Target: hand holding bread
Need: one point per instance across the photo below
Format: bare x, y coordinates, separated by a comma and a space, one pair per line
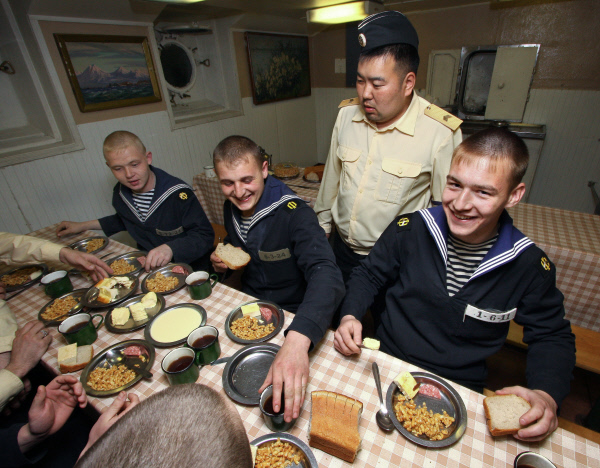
227, 256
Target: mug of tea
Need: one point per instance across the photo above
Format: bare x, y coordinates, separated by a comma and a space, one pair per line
274, 420
532, 460
199, 284
205, 343
179, 366
80, 329
56, 284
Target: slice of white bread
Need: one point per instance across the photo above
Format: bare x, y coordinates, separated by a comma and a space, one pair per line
231, 256
72, 358
503, 412
334, 423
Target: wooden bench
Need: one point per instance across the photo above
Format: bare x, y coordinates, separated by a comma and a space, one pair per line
587, 343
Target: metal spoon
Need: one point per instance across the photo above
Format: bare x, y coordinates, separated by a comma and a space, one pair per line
116, 358
382, 417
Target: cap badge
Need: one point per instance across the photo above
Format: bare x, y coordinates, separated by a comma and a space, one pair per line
362, 40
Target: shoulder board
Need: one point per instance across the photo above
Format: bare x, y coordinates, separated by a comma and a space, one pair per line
443, 117
291, 205
543, 264
349, 102
404, 222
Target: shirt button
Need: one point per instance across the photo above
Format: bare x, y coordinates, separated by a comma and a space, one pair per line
399, 171
353, 218
360, 191
369, 161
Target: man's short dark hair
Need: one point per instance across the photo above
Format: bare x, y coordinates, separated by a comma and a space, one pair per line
497, 144
187, 425
235, 149
405, 55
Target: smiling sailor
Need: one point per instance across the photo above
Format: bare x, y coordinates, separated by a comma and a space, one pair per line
458, 273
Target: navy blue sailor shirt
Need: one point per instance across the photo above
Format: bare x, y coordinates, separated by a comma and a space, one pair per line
292, 263
447, 335
175, 218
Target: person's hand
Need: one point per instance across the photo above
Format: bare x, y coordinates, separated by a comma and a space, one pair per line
348, 336
2, 291
217, 263
86, 262
542, 415
111, 415
158, 257
289, 372
29, 345
50, 409
67, 228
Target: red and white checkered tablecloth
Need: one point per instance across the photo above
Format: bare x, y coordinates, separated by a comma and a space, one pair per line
208, 190
572, 241
329, 370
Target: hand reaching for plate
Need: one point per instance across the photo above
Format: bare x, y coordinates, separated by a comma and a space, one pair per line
158, 257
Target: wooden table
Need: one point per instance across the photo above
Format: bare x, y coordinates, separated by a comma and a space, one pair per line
572, 242
329, 371
208, 190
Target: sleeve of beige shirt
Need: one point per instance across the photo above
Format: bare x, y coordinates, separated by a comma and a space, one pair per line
24, 249
10, 385
330, 183
8, 327
441, 164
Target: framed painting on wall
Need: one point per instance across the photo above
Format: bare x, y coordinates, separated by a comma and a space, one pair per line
107, 72
279, 66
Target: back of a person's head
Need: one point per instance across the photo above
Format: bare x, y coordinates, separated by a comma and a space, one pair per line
120, 140
236, 149
497, 144
183, 426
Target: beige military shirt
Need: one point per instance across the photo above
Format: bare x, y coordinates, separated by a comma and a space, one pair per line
372, 175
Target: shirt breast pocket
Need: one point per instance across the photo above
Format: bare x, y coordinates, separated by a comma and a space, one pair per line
280, 271
396, 180
349, 157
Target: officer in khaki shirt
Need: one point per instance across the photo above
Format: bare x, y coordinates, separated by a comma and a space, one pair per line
390, 149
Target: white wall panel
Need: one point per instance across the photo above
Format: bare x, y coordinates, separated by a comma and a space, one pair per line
327, 101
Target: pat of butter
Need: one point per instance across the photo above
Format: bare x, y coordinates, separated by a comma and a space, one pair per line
371, 343
251, 310
149, 300
120, 316
138, 312
408, 383
35, 274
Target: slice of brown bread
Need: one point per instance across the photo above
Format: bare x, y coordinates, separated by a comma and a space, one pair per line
334, 424
231, 256
72, 364
503, 412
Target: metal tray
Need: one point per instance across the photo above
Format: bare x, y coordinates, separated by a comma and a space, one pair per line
100, 358
277, 319
160, 344
81, 245
77, 294
166, 271
450, 401
308, 461
131, 324
246, 371
132, 259
41, 266
89, 298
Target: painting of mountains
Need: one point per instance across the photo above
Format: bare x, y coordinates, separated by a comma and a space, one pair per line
109, 71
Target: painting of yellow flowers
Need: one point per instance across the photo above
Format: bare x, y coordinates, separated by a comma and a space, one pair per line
279, 66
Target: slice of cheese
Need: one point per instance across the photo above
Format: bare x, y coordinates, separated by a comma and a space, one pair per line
123, 281
138, 312
67, 352
408, 384
371, 343
149, 300
251, 310
120, 316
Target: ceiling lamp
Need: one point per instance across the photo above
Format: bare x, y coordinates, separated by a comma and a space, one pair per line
175, 1
343, 13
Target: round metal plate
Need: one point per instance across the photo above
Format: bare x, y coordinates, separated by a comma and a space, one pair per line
277, 319
160, 344
131, 324
308, 460
450, 401
40, 266
131, 258
82, 244
310, 181
100, 359
167, 271
246, 371
90, 297
77, 294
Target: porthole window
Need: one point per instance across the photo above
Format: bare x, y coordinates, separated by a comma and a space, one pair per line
178, 64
